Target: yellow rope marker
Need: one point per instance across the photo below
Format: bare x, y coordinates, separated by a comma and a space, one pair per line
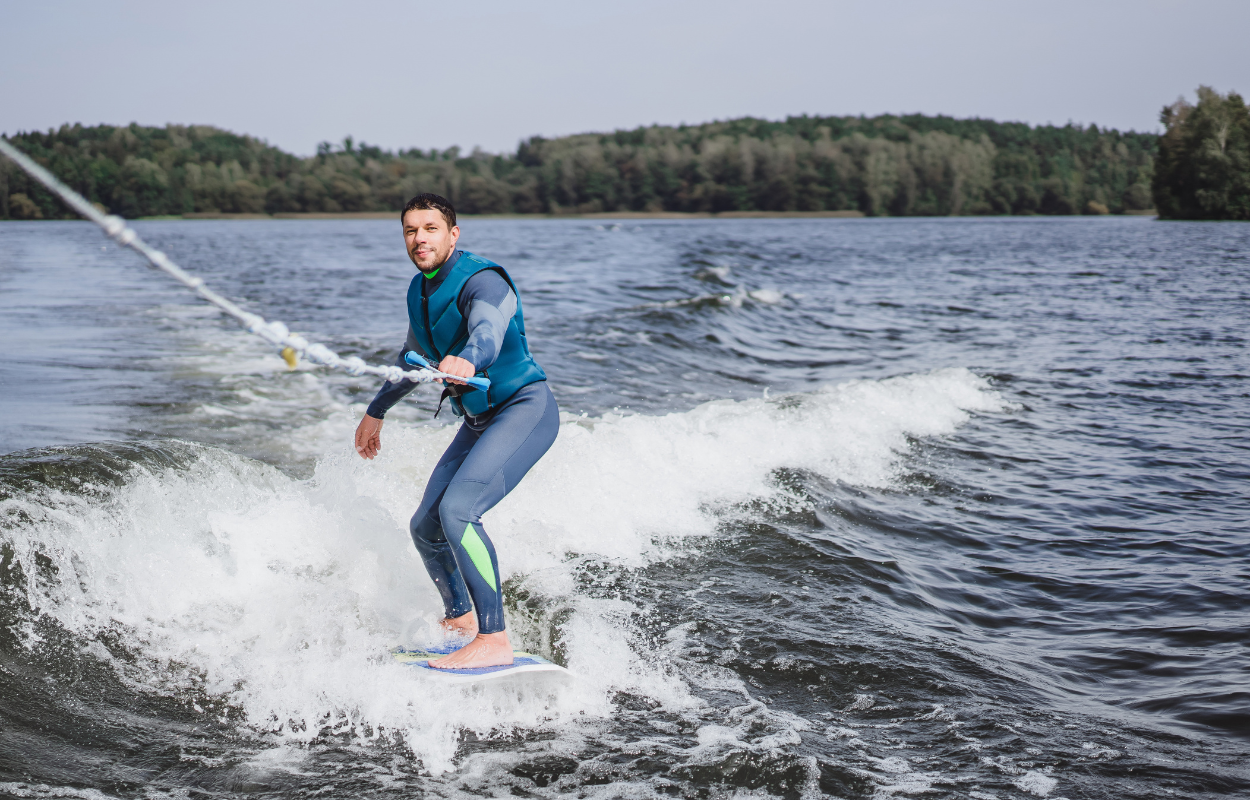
290, 357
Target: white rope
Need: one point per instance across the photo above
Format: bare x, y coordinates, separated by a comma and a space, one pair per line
275, 332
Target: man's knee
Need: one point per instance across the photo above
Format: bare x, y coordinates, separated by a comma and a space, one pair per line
425, 532
457, 508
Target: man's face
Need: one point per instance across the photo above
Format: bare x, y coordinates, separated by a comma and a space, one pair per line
428, 239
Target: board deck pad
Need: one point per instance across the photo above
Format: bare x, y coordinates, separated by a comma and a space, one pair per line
522, 663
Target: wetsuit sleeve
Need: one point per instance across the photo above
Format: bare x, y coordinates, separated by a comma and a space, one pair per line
392, 393
488, 303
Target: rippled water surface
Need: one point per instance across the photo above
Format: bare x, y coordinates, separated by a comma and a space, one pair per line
861, 508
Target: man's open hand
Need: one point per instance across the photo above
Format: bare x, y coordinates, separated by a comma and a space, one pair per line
455, 365
369, 437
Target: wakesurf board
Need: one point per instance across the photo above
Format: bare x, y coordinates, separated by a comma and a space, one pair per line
522, 663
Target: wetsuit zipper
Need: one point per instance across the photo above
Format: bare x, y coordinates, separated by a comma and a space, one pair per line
429, 335
425, 317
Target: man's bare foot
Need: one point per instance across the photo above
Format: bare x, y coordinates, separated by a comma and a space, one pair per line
461, 627
486, 650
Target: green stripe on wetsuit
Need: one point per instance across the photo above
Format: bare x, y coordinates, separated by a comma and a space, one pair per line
476, 548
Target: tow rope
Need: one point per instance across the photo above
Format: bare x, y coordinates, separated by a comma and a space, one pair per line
293, 346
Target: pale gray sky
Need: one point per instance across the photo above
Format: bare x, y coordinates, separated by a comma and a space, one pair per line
433, 74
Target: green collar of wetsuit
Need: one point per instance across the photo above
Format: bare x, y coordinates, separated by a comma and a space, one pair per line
451, 259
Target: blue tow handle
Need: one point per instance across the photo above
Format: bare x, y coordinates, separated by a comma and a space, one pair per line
417, 360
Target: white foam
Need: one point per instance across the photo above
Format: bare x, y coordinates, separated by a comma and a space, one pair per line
283, 595
1036, 783
43, 790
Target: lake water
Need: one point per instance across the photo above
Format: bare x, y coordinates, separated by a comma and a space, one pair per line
863, 508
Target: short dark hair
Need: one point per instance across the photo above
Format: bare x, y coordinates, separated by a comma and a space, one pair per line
431, 202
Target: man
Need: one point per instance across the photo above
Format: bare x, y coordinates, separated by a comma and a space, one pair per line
464, 315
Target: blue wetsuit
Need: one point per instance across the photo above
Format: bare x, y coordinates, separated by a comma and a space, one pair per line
487, 459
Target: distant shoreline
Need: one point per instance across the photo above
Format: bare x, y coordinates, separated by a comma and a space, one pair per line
600, 215
885, 166
606, 215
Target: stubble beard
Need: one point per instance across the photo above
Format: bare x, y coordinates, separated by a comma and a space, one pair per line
435, 260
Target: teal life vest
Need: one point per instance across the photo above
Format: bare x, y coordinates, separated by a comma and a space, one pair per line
443, 331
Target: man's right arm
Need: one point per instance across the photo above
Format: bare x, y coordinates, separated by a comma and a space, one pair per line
392, 393
369, 431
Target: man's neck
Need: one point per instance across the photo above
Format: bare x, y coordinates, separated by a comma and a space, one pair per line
429, 276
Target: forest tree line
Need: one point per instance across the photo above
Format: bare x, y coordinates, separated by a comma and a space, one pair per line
1203, 169
885, 165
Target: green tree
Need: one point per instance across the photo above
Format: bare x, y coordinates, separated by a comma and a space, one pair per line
1203, 169
22, 207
